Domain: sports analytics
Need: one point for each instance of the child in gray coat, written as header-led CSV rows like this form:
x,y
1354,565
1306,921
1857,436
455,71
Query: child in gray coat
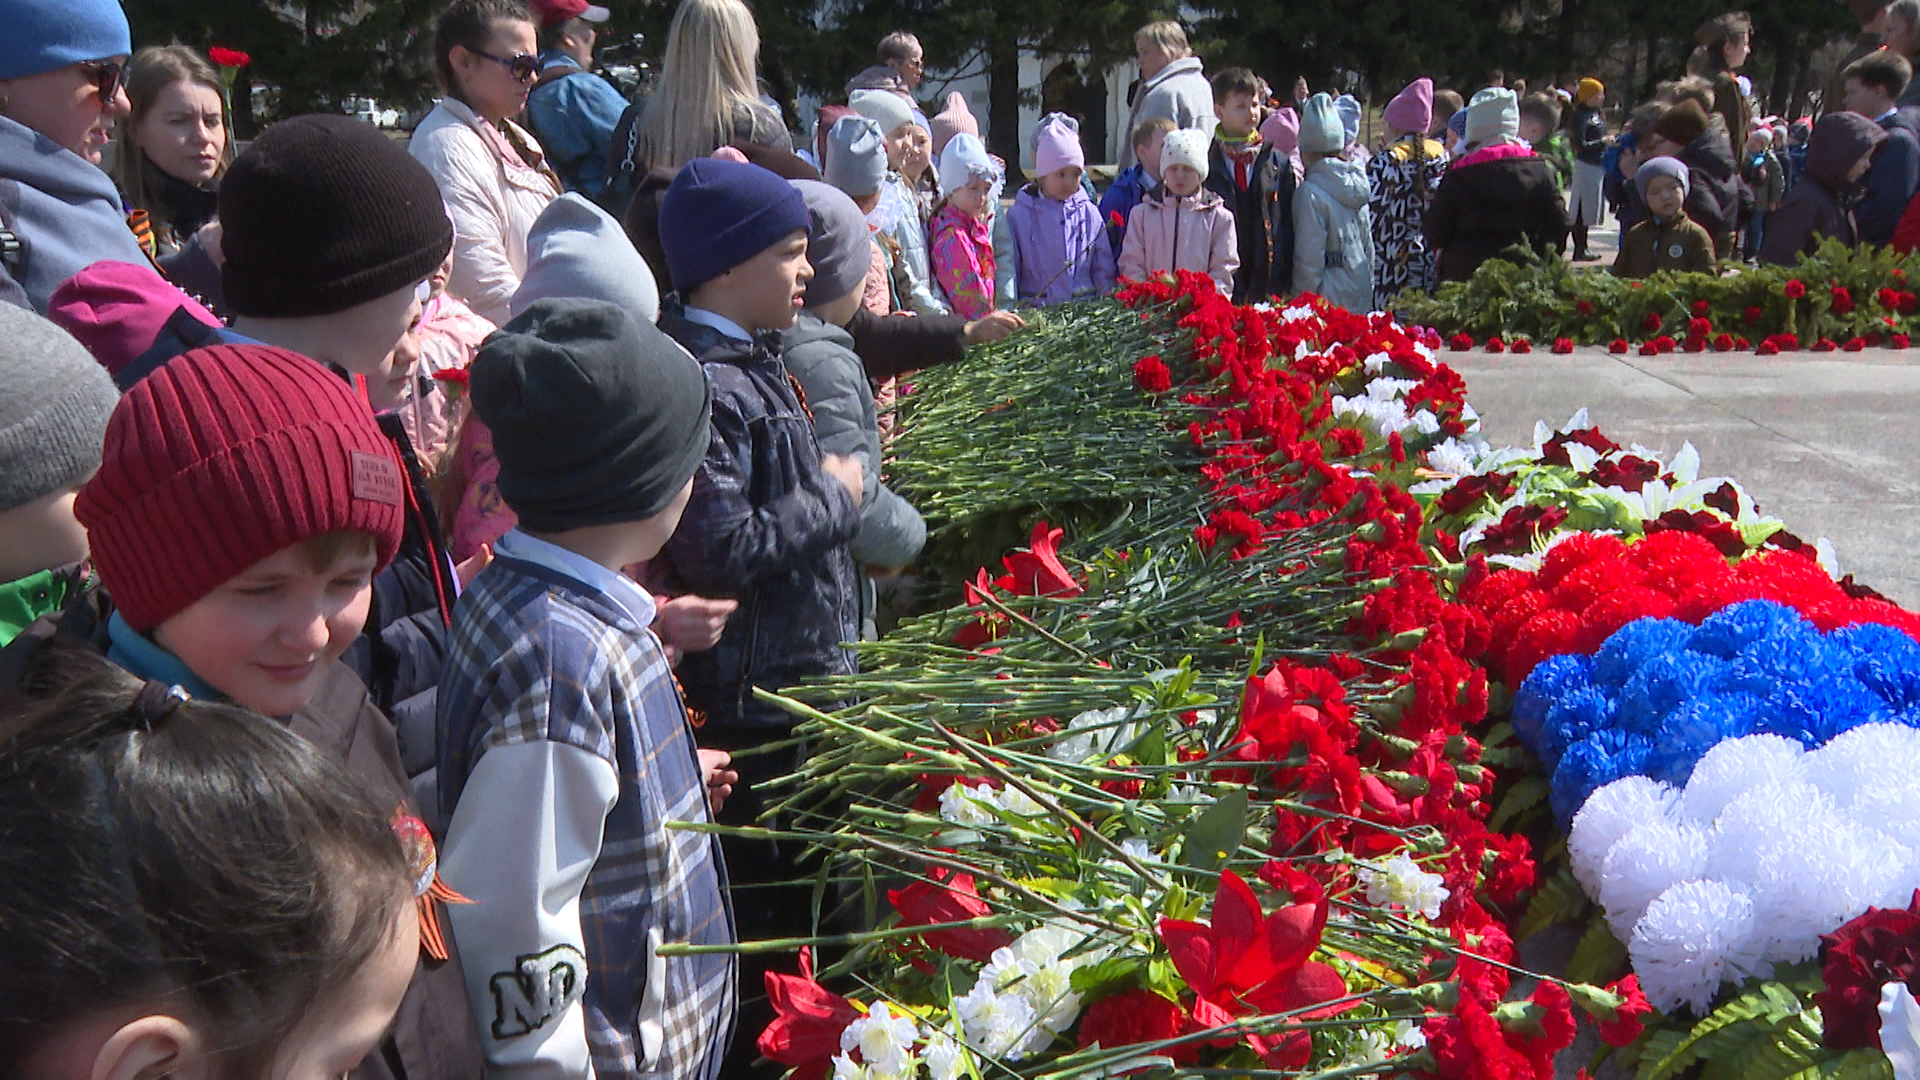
x,y
1332,225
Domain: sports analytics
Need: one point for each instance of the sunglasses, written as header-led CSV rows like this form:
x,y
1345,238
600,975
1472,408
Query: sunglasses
x,y
109,78
523,66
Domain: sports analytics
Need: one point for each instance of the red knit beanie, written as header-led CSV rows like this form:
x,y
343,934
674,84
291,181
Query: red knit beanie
x,y
223,457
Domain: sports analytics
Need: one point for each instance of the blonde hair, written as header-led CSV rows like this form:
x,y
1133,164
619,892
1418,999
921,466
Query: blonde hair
x,y
710,74
1166,35
151,71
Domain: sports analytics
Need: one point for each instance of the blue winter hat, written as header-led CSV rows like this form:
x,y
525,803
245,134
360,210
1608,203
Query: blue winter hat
x,y
46,35
718,214
1349,109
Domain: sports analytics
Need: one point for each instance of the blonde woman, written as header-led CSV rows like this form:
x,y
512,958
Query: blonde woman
x,y
176,149
1173,83
708,95
491,172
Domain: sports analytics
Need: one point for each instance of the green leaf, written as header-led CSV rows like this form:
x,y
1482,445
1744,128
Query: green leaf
x,y
1216,832
1598,957
1556,899
1109,976
1527,793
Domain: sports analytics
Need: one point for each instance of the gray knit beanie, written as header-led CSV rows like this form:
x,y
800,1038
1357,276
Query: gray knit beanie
x,y
856,156
54,402
838,243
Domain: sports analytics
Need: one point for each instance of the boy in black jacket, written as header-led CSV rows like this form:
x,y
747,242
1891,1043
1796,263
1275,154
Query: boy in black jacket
x,y
1235,172
769,521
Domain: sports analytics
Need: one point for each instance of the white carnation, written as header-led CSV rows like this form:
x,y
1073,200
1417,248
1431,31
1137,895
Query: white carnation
x,y
1609,814
1695,936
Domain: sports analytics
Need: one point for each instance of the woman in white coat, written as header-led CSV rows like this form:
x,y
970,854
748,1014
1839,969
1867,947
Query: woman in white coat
x,y
491,171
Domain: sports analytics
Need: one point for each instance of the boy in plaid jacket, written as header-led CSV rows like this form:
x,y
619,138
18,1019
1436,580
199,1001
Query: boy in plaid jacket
x,y
565,747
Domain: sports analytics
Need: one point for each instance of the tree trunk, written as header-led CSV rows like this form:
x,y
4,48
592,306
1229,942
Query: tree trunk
x,y
1003,92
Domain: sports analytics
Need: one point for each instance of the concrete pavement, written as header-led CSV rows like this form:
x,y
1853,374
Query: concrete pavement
x,y
1826,442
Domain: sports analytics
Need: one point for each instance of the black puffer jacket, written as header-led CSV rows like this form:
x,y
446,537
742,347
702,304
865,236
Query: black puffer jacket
x,y
1588,133
767,526
1491,200
1717,198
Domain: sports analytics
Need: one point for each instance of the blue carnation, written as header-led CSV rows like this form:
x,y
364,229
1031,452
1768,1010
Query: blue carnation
x,y
1893,676
1573,718
1661,685
1877,641
1731,629
1634,644
1697,727
1795,656
1551,680
1592,763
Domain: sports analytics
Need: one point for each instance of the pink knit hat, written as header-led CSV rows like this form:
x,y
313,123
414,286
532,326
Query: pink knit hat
x,y
1057,144
1281,129
953,120
117,309
1411,110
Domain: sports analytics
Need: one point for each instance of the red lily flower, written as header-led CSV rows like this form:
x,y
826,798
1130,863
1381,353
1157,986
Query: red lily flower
x,y
945,900
1038,570
807,1022
1245,961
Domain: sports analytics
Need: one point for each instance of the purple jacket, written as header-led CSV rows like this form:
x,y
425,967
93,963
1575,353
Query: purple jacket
x,y
1048,232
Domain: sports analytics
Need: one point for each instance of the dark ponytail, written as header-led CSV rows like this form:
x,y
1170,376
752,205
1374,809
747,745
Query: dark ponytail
x,y
469,24
151,845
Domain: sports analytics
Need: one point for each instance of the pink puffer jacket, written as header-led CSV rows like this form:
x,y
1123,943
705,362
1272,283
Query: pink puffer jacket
x,y
1166,232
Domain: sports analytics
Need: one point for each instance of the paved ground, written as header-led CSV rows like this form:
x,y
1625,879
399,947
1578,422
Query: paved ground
x,y
1829,445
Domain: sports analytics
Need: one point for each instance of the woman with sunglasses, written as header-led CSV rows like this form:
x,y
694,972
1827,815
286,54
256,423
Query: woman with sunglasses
x,y
62,83
492,173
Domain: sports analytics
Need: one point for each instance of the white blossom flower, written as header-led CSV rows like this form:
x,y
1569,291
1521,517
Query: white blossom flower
x,y
885,1041
965,805
946,1059
998,1025
1409,1034
1400,880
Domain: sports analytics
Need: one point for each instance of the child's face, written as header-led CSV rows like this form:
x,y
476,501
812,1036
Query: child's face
x,y
1779,140
770,288
1664,196
1182,180
1860,167
266,636
1868,101
1532,130
919,151
40,535
1758,141
971,198
437,281
1061,183
1235,113
899,142
387,387
366,336
1149,153
333,1039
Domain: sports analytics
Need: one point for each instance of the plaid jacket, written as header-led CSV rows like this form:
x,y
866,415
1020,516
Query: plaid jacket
x,y
538,656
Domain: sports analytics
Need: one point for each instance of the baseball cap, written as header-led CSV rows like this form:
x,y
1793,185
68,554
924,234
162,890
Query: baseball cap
x,y
554,12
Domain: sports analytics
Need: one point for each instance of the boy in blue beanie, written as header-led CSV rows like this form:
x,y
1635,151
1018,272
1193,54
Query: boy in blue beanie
x,y
770,518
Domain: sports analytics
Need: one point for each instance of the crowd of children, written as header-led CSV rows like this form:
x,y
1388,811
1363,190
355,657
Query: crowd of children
x,y
364,628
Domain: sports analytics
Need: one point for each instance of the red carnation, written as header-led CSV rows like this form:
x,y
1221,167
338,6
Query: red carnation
x,y
228,58
1651,322
1696,343
1899,341
1495,345
1854,344
1794,289
1617,345
1135,1017
1699,327
1723,343
1767,348
1114,219
1584,307
1562,346
1522,345
1751,315
1616,1010
1824,345
1700,309
452,376
1150,374
1842,300
1460,342
1881,946
1649,348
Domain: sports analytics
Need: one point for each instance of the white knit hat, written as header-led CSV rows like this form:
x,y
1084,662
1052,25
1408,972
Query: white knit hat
x,y
1493,112
1321,131
883,107
964,158
1185,147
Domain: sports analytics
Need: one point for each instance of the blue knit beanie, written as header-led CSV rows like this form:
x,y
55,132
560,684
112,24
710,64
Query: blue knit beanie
x,y
46,35
718,214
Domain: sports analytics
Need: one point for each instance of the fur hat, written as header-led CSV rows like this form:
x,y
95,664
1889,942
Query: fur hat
x,y
1320,128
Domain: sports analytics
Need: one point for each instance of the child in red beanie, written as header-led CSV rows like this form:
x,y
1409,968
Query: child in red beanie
x,y
245,499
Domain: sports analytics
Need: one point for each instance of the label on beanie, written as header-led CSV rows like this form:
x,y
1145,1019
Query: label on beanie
x,y
375,478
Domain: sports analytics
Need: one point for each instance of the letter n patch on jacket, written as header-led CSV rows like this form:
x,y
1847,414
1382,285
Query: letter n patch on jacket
x,y
539,988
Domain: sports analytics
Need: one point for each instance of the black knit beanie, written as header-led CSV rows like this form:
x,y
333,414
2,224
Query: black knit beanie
x,y
597,417
324,213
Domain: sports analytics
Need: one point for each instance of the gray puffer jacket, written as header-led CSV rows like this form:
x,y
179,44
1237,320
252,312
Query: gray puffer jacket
x,y
821,356
64,210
